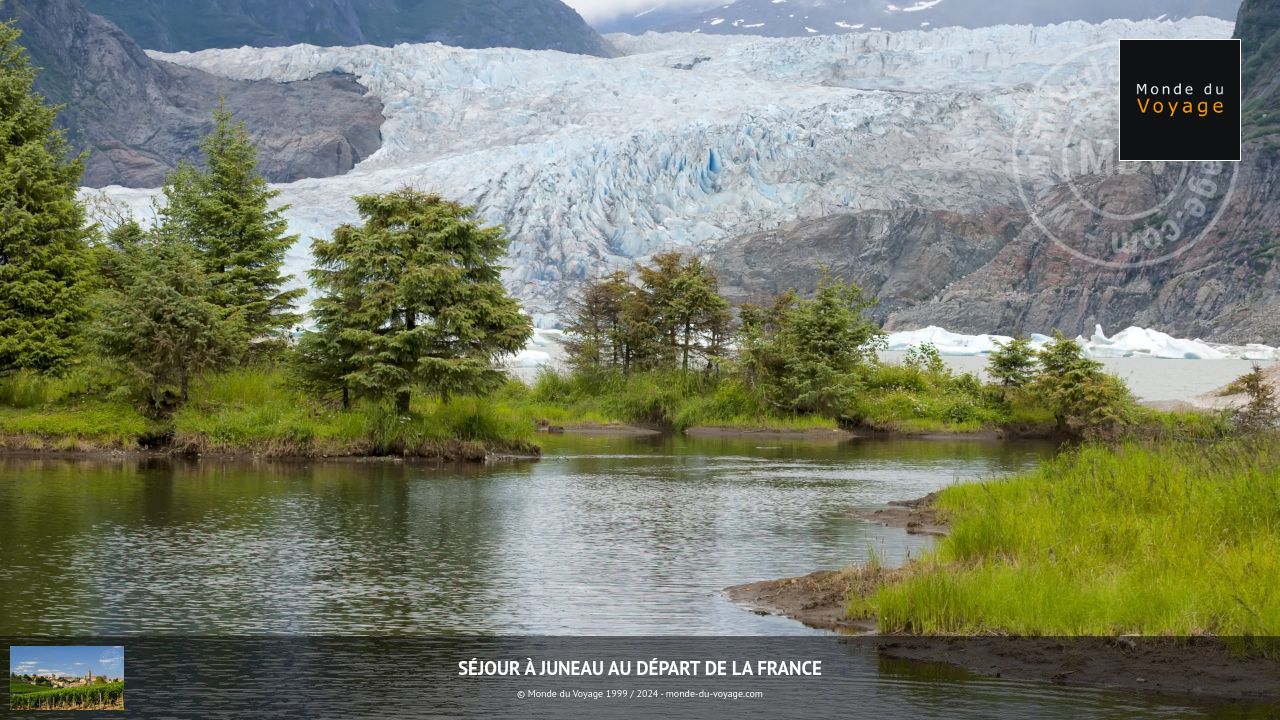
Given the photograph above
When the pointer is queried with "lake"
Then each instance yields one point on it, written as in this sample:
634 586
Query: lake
605 536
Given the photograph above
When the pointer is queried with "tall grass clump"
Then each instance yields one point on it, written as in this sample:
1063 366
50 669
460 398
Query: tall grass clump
1173 539
258 410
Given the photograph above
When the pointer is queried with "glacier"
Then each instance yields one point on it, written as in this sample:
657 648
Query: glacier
595 164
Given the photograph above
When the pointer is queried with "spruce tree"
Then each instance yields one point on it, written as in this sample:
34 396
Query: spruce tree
806 354
224 211
325 355
157 322
420 292
685 307
1013 364
43 250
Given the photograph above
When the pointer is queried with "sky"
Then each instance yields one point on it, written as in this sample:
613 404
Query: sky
68 660
597 10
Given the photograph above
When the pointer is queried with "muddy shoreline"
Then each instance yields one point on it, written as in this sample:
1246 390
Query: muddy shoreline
1209 669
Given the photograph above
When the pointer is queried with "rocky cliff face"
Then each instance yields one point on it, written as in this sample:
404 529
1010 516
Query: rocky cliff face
174 25
1219 281
138 117
898 256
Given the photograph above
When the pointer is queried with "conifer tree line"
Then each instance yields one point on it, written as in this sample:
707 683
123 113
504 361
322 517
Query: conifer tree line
410 300
802 354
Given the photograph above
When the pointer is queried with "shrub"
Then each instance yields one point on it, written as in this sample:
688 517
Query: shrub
1260 411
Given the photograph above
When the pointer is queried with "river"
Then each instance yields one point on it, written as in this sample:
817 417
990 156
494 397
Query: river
605 536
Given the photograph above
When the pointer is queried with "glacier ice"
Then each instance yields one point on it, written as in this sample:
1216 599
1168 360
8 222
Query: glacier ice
593 164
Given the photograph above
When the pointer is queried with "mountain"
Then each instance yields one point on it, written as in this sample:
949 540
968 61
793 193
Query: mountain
799 18
701 143
1259 31
660 14
1225 285
174 25
138 117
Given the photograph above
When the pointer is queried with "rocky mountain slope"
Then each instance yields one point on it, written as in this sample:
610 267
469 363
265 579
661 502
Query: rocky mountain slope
798 18
899 255
1220 279
172 25
138 117
694 140
1224 286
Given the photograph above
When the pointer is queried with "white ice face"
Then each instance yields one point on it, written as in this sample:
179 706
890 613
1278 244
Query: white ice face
1130 342
592 164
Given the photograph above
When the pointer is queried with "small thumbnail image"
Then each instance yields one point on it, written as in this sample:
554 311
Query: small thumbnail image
66 677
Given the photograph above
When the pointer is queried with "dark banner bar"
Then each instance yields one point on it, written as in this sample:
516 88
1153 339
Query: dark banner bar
560 677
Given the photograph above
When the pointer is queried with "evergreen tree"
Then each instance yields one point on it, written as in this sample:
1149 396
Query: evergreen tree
43 250
1085 400
160 325
593 337
806 354
1013 364
686 309
325 356
428 308
224 211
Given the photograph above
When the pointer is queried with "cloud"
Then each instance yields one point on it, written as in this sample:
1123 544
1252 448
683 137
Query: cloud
599 10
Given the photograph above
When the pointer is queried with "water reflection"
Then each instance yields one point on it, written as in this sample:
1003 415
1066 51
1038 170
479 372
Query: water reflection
604 536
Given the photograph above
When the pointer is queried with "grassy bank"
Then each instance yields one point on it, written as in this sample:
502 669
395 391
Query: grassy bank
1171 539
252 411
257 411
669 400
891 399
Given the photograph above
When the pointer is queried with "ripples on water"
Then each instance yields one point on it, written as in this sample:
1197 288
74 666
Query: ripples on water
603 537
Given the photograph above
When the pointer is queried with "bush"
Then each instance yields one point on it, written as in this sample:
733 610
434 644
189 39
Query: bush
1085 401
1260 411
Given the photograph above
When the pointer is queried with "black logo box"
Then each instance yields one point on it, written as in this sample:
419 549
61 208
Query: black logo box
1190 66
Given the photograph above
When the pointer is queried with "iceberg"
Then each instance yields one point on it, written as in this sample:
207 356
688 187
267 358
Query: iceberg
1130 342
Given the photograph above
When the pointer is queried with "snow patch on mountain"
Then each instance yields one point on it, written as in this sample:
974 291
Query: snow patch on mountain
593 164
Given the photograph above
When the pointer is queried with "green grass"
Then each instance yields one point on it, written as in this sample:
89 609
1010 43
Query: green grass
1171 539
254 410
106 695
900 398
671 400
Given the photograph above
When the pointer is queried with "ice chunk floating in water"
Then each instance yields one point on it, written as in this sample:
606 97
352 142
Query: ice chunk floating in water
1130 342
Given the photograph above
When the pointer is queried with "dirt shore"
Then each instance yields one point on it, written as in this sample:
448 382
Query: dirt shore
1198 668
818 599
768 434
917 517
1204 668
